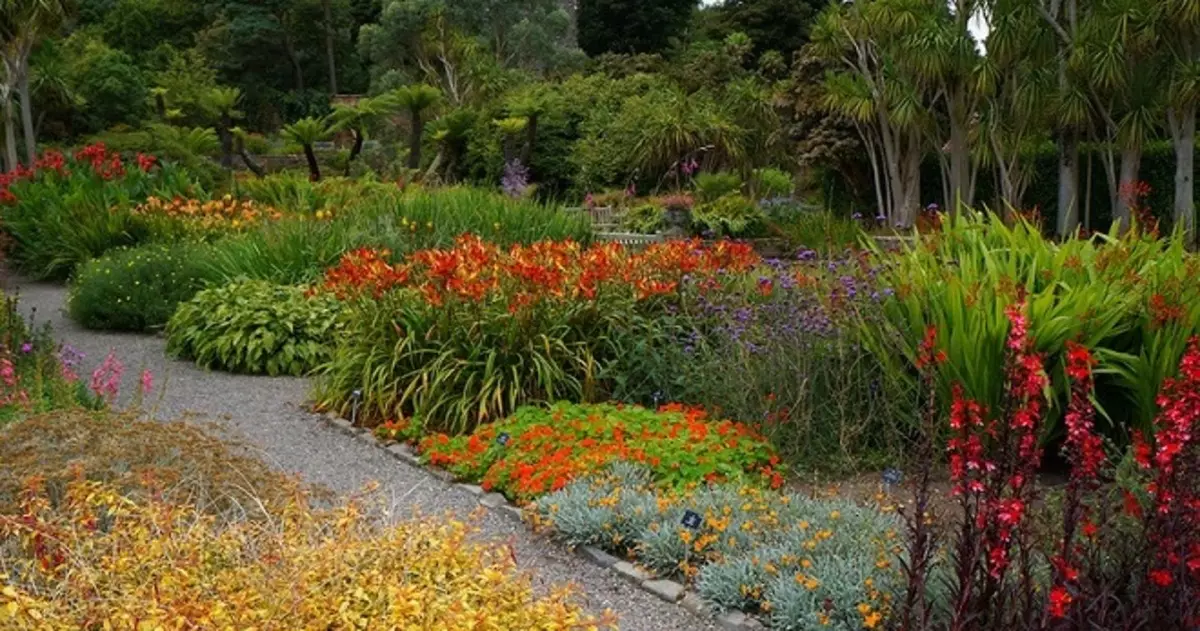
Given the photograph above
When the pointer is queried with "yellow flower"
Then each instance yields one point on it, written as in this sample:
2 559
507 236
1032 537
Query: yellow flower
872 620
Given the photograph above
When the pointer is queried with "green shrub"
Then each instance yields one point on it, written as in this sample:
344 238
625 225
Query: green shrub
713 186
731 216
771 183
644 219
818 230
292 251
134 289
255 327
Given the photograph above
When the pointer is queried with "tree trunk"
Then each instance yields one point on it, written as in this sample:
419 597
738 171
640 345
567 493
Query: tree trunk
1183 136
225 133
960 164
1131 159
414 143
333 87
290 48
354 150
27 112
248 159
314 169
10 131
1068 184
530 139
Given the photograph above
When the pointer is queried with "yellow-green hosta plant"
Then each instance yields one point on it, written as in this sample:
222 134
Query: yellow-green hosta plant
256 327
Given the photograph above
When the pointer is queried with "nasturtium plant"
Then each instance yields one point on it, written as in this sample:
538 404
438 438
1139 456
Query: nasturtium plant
256 327
538 450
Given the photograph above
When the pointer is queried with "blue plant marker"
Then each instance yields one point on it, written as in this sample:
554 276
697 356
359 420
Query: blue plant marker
692 519
892 476
503 439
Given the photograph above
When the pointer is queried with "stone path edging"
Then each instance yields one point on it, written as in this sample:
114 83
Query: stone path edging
670 591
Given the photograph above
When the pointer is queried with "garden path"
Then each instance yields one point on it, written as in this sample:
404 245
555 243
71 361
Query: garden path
268 414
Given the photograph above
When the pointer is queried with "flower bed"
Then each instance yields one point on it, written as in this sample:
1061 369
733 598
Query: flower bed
536 450
802 563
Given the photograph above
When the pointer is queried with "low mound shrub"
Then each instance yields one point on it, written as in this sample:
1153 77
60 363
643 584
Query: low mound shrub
803 563
256 327
539 450
135 289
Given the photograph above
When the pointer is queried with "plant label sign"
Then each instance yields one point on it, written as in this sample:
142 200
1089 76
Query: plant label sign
692 519
503 439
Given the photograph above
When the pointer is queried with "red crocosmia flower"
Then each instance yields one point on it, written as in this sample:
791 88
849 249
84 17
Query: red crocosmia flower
1162 578
1060 602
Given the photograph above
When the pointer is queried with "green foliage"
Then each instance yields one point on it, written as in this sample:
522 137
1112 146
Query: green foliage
63 220
631 26
256 327
772 25
109 87
644 219
42 376
134 289
771 183
731 216
713 186
819 230
1098 292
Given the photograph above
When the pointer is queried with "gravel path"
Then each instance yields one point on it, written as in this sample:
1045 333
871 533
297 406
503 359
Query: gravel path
267 413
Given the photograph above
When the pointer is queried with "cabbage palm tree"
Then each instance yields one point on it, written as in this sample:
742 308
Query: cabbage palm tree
356 118
451 133
415 100
220 104
1180 27
307 132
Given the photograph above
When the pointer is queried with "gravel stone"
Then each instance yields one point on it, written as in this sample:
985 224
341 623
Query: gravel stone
695 604
342 424
733 620
514 512
598 556
669 591
473 489
268 414
493 500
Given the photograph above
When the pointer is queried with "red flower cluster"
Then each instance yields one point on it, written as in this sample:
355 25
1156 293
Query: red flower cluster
105 164
474 270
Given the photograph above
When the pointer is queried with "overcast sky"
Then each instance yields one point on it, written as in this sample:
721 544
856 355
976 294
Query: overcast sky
978 26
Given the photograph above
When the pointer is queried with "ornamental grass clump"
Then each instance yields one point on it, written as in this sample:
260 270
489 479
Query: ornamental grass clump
800 562
96 558
539 450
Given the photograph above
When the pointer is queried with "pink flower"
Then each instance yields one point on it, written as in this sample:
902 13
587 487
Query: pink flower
147 382
106 379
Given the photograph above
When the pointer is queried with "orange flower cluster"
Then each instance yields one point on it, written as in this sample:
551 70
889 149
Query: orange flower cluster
537 451
364 270
225 213
475 270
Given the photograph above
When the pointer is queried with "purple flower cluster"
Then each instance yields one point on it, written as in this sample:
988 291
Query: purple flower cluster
516 179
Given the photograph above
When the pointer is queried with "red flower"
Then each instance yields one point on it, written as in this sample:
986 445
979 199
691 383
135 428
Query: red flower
1162 578
1060 601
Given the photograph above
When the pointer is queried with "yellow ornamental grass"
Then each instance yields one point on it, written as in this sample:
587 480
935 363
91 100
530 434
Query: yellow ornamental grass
100 560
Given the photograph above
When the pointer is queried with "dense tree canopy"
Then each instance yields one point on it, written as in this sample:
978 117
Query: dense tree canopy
631 26
778 25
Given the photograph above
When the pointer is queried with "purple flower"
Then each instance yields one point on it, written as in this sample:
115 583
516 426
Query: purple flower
516 179
27 347
856 216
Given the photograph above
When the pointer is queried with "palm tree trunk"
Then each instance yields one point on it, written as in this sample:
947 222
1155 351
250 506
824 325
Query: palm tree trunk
530 138
1183 136
1131 159
314 169
27 111
414 143
224 131
10 131
1068 184
248 159
354 150
333 87
960 163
